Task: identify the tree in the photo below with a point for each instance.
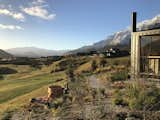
(94, 65)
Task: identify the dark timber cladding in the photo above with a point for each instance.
(134, 21)
(136, 47)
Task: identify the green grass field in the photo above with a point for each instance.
(17, 89)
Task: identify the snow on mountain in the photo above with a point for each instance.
(122, 37)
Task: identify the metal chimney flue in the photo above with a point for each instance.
(134, 21)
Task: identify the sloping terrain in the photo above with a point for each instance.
(17, 89)
(4, 54)
(98, 90)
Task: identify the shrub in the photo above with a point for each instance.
(135, 115)
(116, 62)
(56, 103)
(70, 73)
(94, 65)
(103, 62)
(120, 116)
(7, 115)
(119, 76)
(48, 62)
(35, 64)
(94, 93)
(141, 96)
(119, 101)
(1, 77)
(6, 70)
(118, 98)
(102, 91)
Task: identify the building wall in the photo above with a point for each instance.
(135, 50)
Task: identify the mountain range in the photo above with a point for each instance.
(119, 39)
(34, 52)
(122, 38)
(4, 54)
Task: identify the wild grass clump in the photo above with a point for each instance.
(7, 115)
(102, 62)
(119, 76)
(142, 96)
(120, 116)
(118, 99)
(57, 103)
(94, 65)
(116, 62)
(1, 77)
(102, 91)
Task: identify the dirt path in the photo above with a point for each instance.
(94, 82)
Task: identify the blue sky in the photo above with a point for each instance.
(67, 24)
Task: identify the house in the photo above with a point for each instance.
(115, 52)
(145, 55)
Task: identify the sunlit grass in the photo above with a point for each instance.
(17, 92)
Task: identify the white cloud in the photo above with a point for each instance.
(17, 16)
(39, 11)
(10, 27)
(38, 2)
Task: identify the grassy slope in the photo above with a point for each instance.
(17, 89)
(110, 62)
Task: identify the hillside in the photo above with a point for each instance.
(30, 82)
(121, 38)
(34, 52)
(4, 54)
(100, 91)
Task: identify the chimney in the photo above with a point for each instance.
(134, 21)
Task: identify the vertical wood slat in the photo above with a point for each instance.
(135, 55)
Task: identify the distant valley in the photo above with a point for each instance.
(34, 52)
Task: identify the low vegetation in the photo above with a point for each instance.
(94, 65)
(118, 98)
(119, 76)
(1, 77)
(102, 62)
(143, 96)
(99, 88)
(6, 70)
